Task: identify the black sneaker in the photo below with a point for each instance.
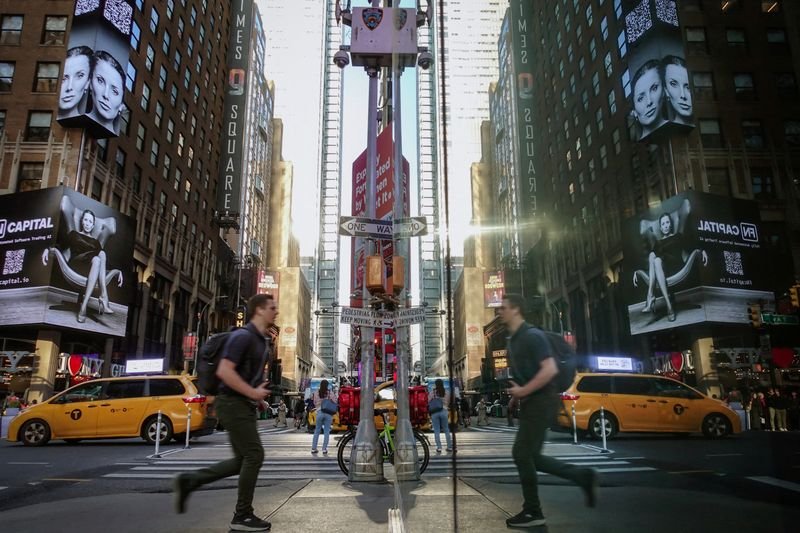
(249, 522)
(589, 487)
(180, 488)
(525, 520)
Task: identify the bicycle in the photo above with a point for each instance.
(386, 439)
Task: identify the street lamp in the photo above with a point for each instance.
(197, 332)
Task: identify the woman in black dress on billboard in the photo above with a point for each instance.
(83, 260)
(665, 255)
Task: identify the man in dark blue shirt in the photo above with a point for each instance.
(533, 368)
(243, 388)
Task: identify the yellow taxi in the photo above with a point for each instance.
(116, 407)
(643, 403)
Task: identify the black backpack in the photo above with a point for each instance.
(207, 361)
(565, 359)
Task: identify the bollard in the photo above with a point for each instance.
(603, 428)
(158, 435)
(188, 426)
(574, 425)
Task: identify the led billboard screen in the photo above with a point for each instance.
(66, 262)
(92, 89)
(660, 91)
(706, 253)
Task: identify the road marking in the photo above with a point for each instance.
(691, 472)
(26, 463)
(3, 488)
(132, 464)
(628, 458)
(632, 469)
(74, 480)
(595, 448)
(724, 454)
(788, 485)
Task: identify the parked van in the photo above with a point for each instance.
(643, 403)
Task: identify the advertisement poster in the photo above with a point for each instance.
(66, 261)
(695, 258)
(660, 91)
(92, 87)
(494, 286)
(269, 282)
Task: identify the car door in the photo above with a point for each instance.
(679, 405)
(122, 408)
(76, 411)
(634, 404)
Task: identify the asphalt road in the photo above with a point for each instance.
(756, 466)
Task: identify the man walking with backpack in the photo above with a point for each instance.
(534, 366)
(242, 389)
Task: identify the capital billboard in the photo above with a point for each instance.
(92, 89)
(65, 261)
(661, 95)
(696, 258)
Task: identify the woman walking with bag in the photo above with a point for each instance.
(326, 403)
(438, 400)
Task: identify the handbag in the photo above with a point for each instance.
(435, 405)
(329, 407)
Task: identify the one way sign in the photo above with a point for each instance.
(365, 227)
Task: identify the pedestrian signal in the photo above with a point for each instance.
(754, 312)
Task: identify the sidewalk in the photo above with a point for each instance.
(335, 506)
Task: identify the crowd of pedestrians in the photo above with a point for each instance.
(771, 410)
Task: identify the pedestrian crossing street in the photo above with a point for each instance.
(481, 453)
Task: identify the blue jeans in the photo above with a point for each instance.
(324, 421)
(439, 421)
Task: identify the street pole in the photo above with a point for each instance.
(197, 335)
(366, 457)
(406, 464)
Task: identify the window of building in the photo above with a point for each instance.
(145, 101)
(162, 78)
(696, 39)
(11, 29)
(622, 44)
(176, 60)
(119, 161)
(2, 120)
(170, 8)
(612, 101)
(596, 83)
(166, 40)
(54, 32)
(585, 100)
(592, 172)
(753, 134)
(604, 27)
(579, 33)
(102, 149)
(703, 83)
(46, 80)
(588, 133)
(150, 58)
(166, 168)
(193, 16)
(181, 27)
(589, 15)
(564, 98)
(141, 133)
(744, 86)
(572, 84)
(626, 83)
(786, 84)
(615, 137)
(710, 133)
(154, 147)
(38, 126)
(776, 36)
(184, 110)
(770, 6)
(136, 36)
(791, 132)
(170, 130)
(136, 178)
(593, 49)
(762, 182)
(181, 141)
(718, 181)
(6, 75)
(154, 18)
(187, 78)
(173, 95)
(607, 64)
(598, 117)
(603, 157)
(130, 77)
(30, 176)
(736, 38)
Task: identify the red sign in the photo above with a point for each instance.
(782, 357)
(676, 360)
(75, 363)
(269, 282)
(494, 285)
(189, 346)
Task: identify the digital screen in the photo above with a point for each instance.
(623, 364)
(144, 366)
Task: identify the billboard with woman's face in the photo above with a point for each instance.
(696, 258)
(93, 78)
(660, 92)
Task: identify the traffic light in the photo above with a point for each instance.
(754, 311)
(241, 312)
(795, 297)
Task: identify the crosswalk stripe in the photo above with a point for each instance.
(788, 485)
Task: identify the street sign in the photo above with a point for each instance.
(365, 227)
(780, 320)
(406, 317)
(410, 227)
(366, 317)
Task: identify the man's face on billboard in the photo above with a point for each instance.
(647, 96)
(677, 81)
(74, 81)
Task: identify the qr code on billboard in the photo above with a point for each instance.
(119, 13)
(667, 11)
(733, 263)
(13, 262)
(638, 21)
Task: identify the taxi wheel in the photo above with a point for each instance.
(34, 433)
(595, 424)
(150, 430)
(716, 426)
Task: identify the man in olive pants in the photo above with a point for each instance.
(534, 367)
(241, 371)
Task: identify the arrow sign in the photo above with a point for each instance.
(410, 227)
(365, 227)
